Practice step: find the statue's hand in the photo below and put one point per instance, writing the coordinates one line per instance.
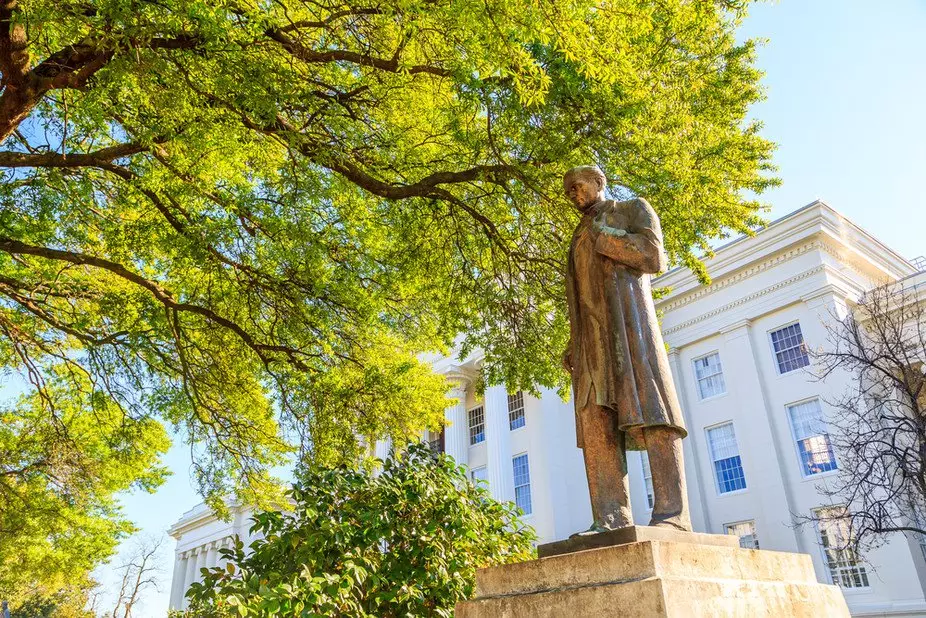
(567, 360)
(602, 228)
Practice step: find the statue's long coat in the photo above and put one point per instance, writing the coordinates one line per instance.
(617, 348)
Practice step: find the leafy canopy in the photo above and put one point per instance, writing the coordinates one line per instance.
(245, 219)
(59, 477)
(406, 542)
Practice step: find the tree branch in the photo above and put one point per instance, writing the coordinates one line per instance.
(15, 247)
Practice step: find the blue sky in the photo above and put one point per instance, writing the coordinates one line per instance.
(846, 86)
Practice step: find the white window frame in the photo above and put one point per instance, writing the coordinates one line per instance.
(694, 369)
(517, 397)
(771, 345)
(859, 562)
(530, 493)
(470, 426)
(730, 528)
(794, 440)
(710, 454)
(482, 469)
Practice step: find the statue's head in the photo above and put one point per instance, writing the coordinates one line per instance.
(584, 186)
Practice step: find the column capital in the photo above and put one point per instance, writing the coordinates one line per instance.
(736, 329)
(460, 376)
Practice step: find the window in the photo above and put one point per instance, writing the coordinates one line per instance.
(516, 410)
(746, 531)
(647, 478)
(709, 374)
(477, 425)
(522, 483)
(728, 468)
(479, 474)
(436, 441)
(845, 567)
(790, 351)
(813, 441)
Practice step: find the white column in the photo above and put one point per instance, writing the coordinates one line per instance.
(694, 477)
(758, 428)
(178, 581)
(227, 543)
(190, 576)
(456, 433)
(381, 449)
(202, 562)
(212, 555)
(498, 444)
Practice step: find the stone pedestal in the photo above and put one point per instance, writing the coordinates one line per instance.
(656, 573)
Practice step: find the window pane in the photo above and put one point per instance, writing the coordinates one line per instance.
(522, 483)
(746, 531)
(516, 410)
(813, 440)
(845, 567)
(728, 468)
(477, 425)
(790, 351)
(479, 474)
(709, 374)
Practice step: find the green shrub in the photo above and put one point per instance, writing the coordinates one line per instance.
(406, 542)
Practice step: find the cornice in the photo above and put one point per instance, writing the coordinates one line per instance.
(745, 299)
(199, 516)
(817, 222)
(740, 275)
(216, 544)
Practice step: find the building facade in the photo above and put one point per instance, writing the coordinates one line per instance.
(758, 445)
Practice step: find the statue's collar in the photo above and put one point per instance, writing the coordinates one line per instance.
(595, 208)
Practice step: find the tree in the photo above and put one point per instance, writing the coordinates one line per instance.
(246, 219)
(60, 475)
(879, 430)
(406, 542)
(139, 575)
(243, 220)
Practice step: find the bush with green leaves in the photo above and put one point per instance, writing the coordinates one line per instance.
(406, 542)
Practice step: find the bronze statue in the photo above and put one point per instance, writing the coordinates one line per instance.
(624, 394)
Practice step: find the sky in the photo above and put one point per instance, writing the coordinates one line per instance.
(846, 85)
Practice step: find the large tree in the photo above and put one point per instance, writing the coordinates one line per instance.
(61, 469)
(244, 219)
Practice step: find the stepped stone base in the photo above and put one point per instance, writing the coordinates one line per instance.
(673, 575)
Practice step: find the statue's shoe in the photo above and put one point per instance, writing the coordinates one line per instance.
(671, 520)
(595, 528)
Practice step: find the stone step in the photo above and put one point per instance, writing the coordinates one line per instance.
(645, 560)
(634, 534)
(668, 597)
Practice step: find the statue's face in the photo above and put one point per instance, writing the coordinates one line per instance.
(583, 193)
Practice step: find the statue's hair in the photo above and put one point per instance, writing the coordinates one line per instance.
(589, 172)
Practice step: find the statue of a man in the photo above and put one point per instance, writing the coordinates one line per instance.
(624, 394)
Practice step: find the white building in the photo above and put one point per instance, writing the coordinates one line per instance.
(757, 445)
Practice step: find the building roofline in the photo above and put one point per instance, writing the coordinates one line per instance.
(878, 253)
